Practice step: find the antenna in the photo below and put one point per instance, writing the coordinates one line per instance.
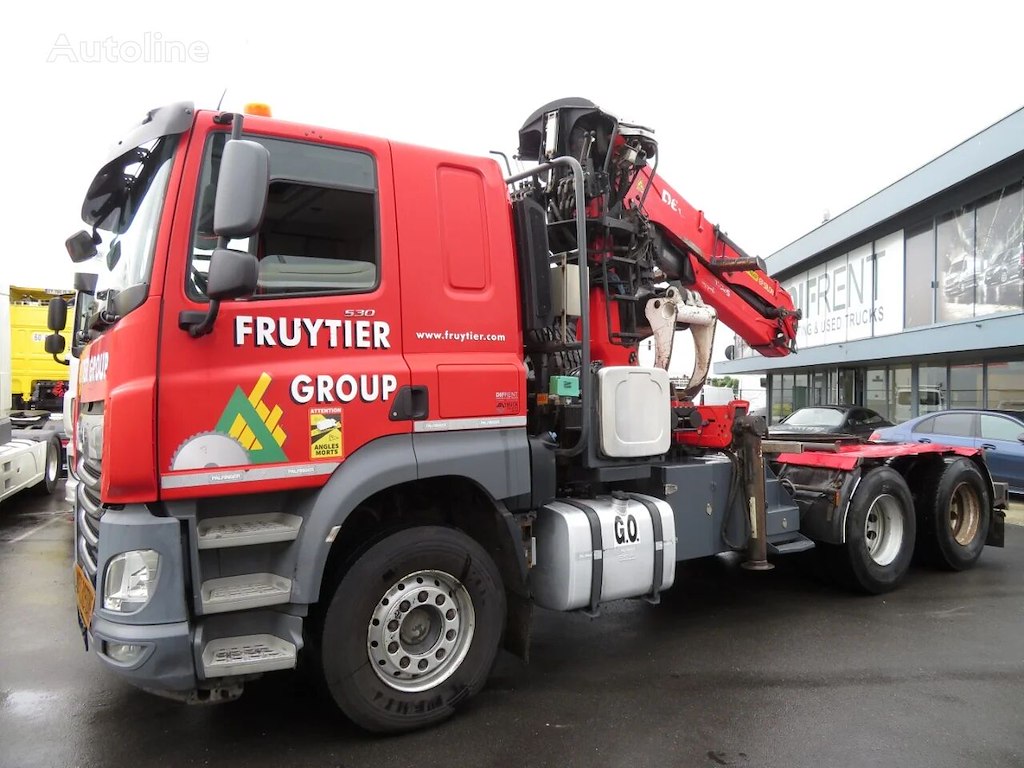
(222, 95)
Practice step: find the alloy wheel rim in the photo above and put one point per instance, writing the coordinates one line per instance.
(420, 631)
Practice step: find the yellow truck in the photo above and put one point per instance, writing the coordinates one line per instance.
(31, 442)
(38, 382)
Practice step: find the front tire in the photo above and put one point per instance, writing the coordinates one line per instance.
(880, 532)
(413, 629)
(956, 513)
(51, 469)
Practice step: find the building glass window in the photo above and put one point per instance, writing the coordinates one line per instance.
(965, 386)
(957, 277)
(900, 393)
(876, 393)
(1000, 263)
(931, 389)
(776, 386)
(848, 389)
(920, 266)
(819, 389)
(792, 392)
(1006, 385)
(801, 391)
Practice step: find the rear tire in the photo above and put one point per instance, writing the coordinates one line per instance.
(956, 513)
(51, 469)
(413, 629)
(880, 533)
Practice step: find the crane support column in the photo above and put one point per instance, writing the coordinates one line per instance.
(750, 432)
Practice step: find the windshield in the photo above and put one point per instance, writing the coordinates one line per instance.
(815, 417)
(125, 202)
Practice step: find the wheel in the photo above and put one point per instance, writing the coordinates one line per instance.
(956, 513)
(880, 532)
(412, 630)
(51, 470)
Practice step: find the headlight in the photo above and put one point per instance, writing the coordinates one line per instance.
(130, 580)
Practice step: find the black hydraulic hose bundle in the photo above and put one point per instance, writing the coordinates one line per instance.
(737, 480)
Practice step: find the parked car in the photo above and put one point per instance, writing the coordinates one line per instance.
(959, 281)
(829, 420)
(999, 433)
(1006, 265)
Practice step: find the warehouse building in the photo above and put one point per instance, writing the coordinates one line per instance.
(912, 300)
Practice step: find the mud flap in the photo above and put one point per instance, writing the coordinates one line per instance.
(997, 528)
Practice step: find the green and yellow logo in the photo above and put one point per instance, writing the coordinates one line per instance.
(255, 425)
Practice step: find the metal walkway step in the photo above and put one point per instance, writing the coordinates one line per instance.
(791, 547)
(245, 530)
(247, 654)
(251, 590)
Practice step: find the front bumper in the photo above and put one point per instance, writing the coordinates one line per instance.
(166, 662)
(162, 627)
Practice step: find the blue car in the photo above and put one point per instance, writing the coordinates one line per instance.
(999, 433)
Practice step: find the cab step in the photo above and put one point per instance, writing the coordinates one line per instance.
(247, 654)
(250, 590)
(790, 547)
(246, 530)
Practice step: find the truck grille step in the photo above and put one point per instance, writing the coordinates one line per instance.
(247, 654)
(251, 590)
(246, 530)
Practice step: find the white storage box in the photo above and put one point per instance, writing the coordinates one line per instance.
(635, 411)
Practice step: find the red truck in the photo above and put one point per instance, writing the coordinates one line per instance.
(365, 405)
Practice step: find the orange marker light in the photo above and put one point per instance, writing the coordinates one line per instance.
(258, 109)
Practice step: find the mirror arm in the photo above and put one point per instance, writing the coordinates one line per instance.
(202, 325)
(198, 324)
(62, 362)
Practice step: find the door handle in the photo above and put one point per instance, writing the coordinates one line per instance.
(411, 404)
(923, 440)
(988, 446)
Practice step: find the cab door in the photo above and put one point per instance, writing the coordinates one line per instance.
(460, 305)
(291, 382)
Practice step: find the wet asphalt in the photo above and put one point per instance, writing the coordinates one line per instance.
(732, 669)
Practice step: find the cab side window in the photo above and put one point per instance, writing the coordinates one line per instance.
(320, 233)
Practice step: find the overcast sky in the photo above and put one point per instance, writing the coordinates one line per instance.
(767, 114)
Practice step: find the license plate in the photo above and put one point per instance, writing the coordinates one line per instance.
(85, 594)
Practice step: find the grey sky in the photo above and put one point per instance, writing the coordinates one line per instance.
(767, 114)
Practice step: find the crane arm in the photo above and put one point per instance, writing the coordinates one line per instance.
(701, 257)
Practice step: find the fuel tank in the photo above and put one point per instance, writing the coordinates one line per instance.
(594, 550)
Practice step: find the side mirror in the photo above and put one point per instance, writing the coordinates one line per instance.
(242, 188)
(53, 344)
(85, 282)
(57, 317)
(81, 246)
(232, 275)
